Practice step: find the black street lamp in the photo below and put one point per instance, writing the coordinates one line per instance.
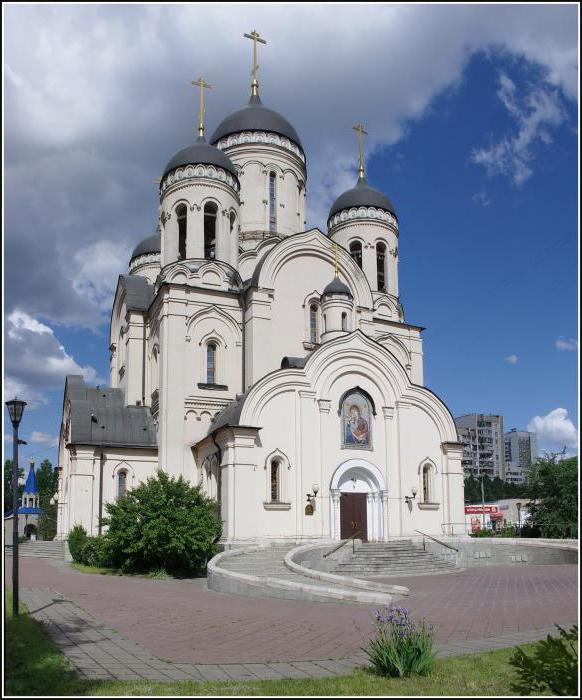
(518, 506)
(15, 411)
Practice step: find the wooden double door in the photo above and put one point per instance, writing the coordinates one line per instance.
(354, 516)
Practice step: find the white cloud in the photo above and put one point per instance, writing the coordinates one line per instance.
(535, 114)
(555, 429)
(43, 438)
(35, 360)
(481, 198)
(512, 359)
(97, 99)
(566, 343)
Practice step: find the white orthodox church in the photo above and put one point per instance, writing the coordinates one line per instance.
(269, 363)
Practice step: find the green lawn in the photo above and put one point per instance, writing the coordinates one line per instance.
(35, 667)
(108, 571)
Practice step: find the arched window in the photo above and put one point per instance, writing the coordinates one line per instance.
(344, 321)
(232, 219)
(272, 202)
(211, 363)
(356, 252)
(275, 491)
(181, 216)
(313, 323)
(210, 213)
(121, 483)
(381, 266)
(426, 484)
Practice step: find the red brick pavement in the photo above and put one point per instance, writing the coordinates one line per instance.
(183, 621)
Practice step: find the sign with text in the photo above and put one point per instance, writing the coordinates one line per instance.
(470, 510)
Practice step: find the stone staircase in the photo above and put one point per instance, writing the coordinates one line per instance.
(261, 571)
(54, 549)
(398, 558)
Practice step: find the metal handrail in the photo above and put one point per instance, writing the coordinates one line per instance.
(444, 544)
(341, 544)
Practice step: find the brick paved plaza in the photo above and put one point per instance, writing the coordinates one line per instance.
(184, 622)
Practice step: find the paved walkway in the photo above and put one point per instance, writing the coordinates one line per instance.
(99, 653)
(185, 622)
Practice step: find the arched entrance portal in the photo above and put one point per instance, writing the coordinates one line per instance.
(359, 501)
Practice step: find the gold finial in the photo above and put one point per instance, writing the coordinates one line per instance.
(201, 83)
(335, 259)
(254, 35)
(361, 130)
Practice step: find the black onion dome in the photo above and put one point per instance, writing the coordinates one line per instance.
(336, 286)
(255, 117)
(150, 245)
(201, 153)
(362, 195)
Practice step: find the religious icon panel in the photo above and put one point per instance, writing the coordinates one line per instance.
(356, 413)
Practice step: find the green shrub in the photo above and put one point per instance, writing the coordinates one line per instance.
(93, 552)
(77, 539)
(553, 666)
(485, 532)
(162, 524)
(402, 647)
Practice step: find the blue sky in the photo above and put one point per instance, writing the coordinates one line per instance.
(475, 140)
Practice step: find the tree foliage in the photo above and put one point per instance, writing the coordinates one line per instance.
(164, 523)
(553, 491)
(552, 667)
(77, 539)
(8, 484)
(493, 489)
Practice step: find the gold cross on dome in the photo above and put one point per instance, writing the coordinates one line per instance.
(361, 130)
(255, 37)
(201, 83)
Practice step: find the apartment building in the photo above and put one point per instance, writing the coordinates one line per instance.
(483, 445)
(521, 450)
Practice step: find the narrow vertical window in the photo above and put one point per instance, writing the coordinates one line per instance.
(381, 266)
(356, 252)
(344, 321)
(275, 481)
(121, 483)
(232, 221)
(426, 494)
(181, 216)
(211, 363)
(313, 323)
(272, 202)
(210, 213)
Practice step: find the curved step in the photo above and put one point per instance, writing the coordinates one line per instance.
(261, 571)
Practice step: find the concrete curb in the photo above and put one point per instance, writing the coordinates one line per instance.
(336, 578)
(226, 581)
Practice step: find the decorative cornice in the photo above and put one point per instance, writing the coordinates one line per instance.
(193, 172)
(148, 259)
(267, 138)
(370, 213)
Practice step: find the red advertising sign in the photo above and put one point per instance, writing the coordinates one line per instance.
(470, 510)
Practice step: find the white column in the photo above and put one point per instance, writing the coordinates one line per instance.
(335, 513)
(371, 519)
(384, 514)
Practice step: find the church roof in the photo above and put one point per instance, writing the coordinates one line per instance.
(230, 414)
(30, 486)
(200, 153)
(139, 293)
(293, 362)
(255, 117)
(336, 286)
(362, 195)
(100, 417)
(149, 245)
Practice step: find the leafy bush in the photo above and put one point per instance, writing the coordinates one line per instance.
(93, 552)
(553, 666)
(402, 647)
(77, 539)
(162, 524)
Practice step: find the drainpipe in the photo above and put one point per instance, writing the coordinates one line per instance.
(101, 461)
(143, 363)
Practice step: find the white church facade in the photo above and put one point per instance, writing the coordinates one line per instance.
(268, 363)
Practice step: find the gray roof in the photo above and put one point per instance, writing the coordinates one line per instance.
(230, 414)
(362, 195)
(100, 417)
(139, 293)
(293, 362)
(151, 244)
(336, 286)
(255, 117)
(201, 153)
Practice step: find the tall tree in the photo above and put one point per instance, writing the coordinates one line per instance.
(46, 480)
(553, 490)
(8, 484)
